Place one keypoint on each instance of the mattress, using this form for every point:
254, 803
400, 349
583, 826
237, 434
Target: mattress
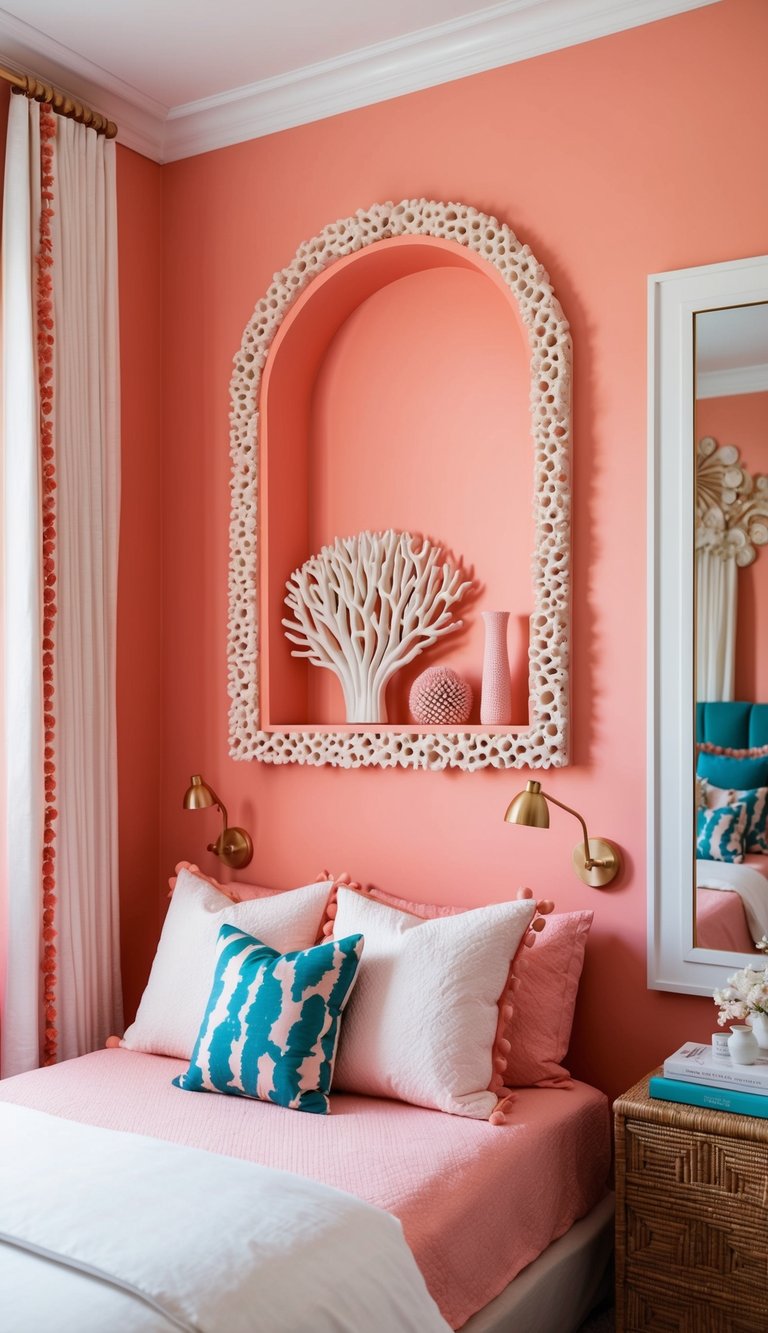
477, 1202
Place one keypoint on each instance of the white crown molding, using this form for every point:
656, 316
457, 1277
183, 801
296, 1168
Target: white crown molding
725, 383
500, 35
485, 40
140, 119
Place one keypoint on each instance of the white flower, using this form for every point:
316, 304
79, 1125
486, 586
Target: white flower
746, 993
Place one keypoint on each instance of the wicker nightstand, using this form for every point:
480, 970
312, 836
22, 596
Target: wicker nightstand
691, 1218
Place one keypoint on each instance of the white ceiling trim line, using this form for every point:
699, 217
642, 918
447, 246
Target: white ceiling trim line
490, 38
485, 40
725, 383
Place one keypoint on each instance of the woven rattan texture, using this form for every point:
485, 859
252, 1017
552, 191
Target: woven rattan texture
545, 742
691, 1218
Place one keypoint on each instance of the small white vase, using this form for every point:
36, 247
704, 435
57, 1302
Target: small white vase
760, 1028
742, 1046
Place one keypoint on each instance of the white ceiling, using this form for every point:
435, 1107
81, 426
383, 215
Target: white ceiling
732, 350
177, 51
183, 76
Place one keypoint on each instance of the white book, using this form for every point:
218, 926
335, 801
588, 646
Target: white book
695, 1063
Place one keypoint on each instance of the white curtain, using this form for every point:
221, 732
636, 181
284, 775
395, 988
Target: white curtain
60, 560
716, 606
21, 827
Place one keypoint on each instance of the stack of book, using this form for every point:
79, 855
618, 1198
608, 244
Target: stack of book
696, 1077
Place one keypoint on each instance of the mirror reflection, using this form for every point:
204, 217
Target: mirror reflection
731, 576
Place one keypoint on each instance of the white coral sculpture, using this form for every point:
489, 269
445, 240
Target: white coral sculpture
369, 604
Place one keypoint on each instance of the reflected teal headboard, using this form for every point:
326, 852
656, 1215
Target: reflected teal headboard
736, 725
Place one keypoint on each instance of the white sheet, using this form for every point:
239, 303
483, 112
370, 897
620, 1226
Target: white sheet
751, 886
100, 1229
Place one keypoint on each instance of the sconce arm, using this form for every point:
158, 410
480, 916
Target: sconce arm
590, 863
216, 846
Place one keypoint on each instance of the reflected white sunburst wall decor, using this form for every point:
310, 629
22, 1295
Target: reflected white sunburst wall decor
544, 742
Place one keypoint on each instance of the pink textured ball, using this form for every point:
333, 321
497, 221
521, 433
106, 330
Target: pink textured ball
440, 698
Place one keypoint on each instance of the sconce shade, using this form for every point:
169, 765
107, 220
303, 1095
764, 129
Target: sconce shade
529, 807
198, 795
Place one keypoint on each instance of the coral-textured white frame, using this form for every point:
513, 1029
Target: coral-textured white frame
544, 743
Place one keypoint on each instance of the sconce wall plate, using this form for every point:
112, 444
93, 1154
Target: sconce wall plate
606, 857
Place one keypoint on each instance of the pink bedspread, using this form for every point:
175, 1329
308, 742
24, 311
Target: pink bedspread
721, 923
477, 1202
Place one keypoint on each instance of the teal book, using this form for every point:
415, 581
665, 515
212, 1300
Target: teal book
716, 1099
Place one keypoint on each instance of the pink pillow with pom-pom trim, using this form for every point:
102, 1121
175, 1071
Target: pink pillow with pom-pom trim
539, 1028
235, 891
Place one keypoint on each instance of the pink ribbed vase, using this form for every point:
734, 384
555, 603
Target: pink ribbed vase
496, 694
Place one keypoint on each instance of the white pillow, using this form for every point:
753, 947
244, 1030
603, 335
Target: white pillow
176, 995
421, 1022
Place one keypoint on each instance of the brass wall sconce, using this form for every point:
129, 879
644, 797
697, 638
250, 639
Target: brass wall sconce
233, 845
595, 861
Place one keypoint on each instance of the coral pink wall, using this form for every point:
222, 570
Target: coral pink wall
144, 503
608, 160
435, 438
400, 392
742, 419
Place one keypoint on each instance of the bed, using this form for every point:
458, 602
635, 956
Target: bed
477, 1203
422, 1220
732, 904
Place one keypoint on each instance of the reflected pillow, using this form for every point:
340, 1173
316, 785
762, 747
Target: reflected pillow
720, 833
753, 752
724, 771
756, 801
271, 1026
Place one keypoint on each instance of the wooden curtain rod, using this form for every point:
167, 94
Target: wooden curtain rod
61, 102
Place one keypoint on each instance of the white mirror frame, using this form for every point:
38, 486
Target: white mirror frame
544, 742
674, 962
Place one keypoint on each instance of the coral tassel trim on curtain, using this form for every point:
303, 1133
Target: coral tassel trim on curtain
45, 340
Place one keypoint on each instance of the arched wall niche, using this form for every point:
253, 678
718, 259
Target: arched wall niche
284, 348
387, 389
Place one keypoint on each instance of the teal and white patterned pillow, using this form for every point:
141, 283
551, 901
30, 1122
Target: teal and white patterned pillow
271, 1026
756, 801
720, 833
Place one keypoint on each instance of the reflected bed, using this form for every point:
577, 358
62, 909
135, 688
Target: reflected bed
732, 904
